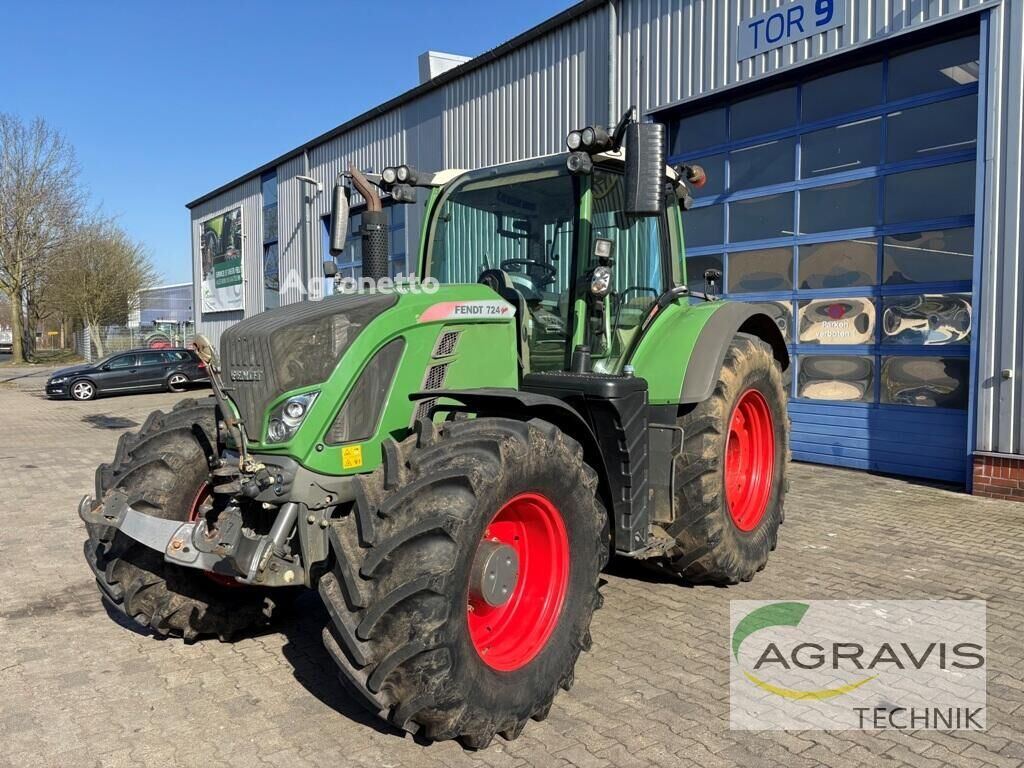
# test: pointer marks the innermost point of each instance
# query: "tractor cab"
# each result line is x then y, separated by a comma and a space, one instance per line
581, 272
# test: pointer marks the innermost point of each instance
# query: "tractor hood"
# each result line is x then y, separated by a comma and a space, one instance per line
292, 347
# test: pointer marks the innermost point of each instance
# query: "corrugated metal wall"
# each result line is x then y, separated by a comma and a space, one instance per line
667, 51
673, 50
248, 196
1000, 401
524, 104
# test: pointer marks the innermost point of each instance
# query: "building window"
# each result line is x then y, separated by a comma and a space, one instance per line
271, 267
845, 203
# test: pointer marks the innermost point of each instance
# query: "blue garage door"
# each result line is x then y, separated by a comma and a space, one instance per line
846, 203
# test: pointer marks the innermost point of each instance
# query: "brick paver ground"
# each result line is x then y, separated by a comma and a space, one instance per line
79, 686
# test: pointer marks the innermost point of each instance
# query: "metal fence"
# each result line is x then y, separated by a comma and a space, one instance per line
119, 338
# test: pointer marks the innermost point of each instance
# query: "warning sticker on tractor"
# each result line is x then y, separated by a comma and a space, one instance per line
484, 309
352, 457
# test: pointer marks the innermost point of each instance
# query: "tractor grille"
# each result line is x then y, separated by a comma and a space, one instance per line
434, 380
445, 346
295, 346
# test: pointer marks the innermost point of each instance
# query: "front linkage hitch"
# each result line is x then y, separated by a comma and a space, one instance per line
229, 549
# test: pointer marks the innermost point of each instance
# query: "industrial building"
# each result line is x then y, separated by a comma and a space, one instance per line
865, 180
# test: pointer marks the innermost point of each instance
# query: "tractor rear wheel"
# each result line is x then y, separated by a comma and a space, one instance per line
465, 577
731, 474
163, 468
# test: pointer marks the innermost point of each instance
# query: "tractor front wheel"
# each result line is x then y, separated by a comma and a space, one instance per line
163, 469
465, 576
731, 474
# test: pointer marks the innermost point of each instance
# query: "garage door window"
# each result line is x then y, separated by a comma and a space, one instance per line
845, 203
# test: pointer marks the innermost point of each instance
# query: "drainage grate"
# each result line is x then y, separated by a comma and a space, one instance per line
446, 344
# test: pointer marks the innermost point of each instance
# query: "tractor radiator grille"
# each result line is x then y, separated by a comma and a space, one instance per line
445, 346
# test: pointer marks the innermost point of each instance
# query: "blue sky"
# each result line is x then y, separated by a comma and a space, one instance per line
165, 101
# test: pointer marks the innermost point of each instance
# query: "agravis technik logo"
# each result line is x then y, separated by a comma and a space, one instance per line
825, 664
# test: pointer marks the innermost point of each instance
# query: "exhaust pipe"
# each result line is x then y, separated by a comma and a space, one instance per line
374, 229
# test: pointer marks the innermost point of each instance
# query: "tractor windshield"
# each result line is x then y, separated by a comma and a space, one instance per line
514, 232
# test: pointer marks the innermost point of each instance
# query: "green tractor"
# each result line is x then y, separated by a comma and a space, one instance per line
450, 462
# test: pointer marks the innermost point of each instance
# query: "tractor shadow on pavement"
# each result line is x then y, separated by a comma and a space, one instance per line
315, 670
638, 570
106, 421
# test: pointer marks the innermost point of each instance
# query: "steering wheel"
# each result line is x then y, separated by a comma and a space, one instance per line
548, 273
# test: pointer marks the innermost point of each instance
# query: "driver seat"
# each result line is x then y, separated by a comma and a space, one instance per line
499, 282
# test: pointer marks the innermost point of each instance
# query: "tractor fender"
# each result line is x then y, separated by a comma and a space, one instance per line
730, 318
517, 404
523, 406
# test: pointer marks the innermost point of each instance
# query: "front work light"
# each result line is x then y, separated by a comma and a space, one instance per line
595, 139
389, 175
286, 418
579, 163
604, 249
592, 140
406, 175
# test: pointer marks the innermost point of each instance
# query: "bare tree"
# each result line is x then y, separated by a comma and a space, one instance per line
97, 276
40, 202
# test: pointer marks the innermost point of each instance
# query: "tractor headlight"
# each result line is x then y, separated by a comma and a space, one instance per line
579, 164
389, 175
573, 140
601, 281
286, 418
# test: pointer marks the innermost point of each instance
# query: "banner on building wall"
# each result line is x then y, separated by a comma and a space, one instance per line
220, 242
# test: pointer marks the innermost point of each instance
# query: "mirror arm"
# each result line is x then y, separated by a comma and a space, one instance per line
629, 116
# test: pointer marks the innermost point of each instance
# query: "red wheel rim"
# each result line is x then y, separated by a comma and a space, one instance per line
749, 460
200, 499
509, 636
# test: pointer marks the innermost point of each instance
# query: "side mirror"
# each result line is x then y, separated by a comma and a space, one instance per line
645, 169
339, 219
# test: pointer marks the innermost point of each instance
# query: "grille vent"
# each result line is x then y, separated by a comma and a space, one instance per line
434, 380
435, 376
446, 344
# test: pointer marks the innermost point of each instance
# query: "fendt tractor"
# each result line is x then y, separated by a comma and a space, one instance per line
451, 467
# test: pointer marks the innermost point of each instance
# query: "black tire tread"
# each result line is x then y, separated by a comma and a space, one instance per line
703, 554
170, 600
394, 559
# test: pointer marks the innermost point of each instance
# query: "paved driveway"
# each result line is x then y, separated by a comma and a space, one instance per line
80, 687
